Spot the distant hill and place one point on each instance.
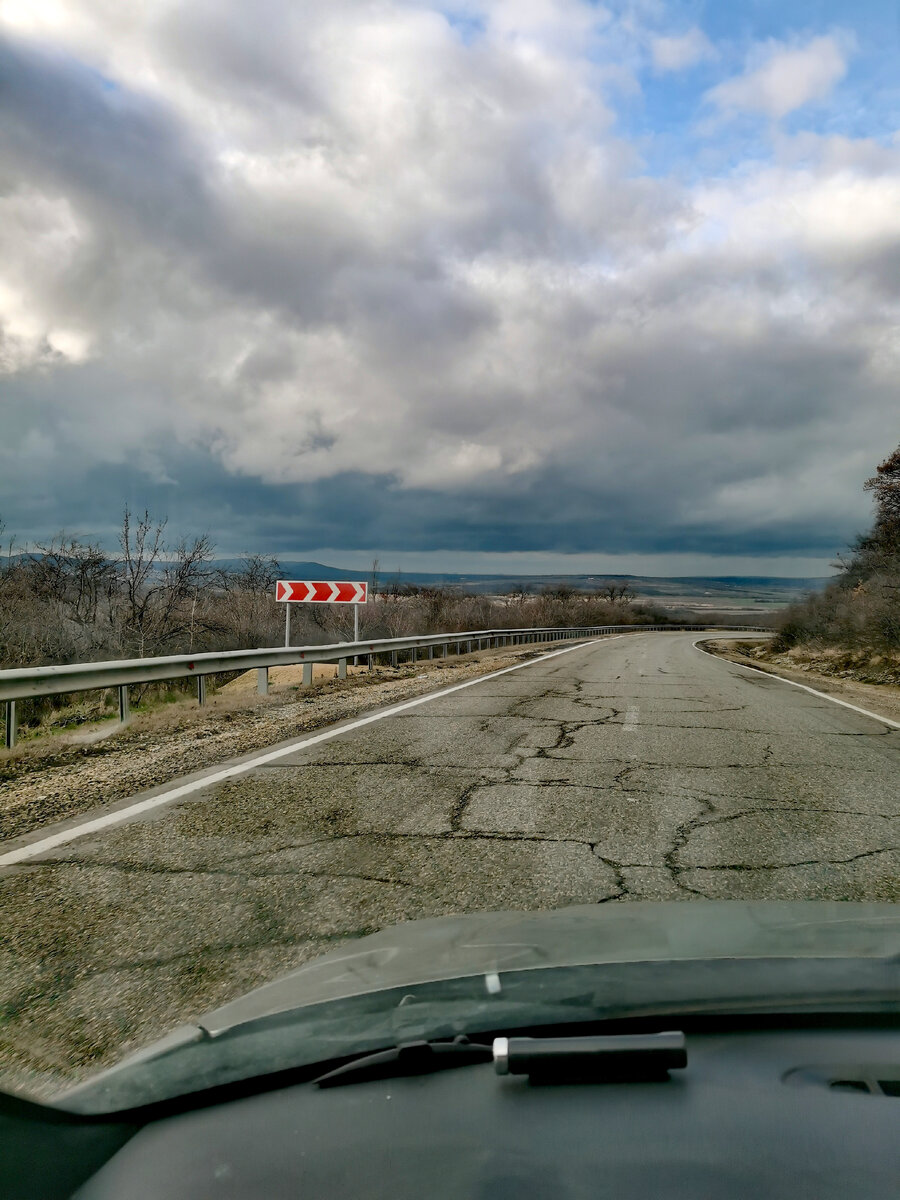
(720, 593)
(706, 591)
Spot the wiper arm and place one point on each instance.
(617, 1057)
(410, 1058)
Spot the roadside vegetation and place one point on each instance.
(68, 600)
(852, 628)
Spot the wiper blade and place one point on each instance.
(410, 1058)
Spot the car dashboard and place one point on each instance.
(757, 1112)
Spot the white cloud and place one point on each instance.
(682, 51)
(787, 78)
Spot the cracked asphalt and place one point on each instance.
(635, 768)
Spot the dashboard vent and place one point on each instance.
(871, 1079)
(875, 1087)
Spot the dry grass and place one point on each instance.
(280, 677)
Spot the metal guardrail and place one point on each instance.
(31, 682)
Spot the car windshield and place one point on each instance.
(449, 472)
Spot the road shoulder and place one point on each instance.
(880, 698)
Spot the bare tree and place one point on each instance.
(616, 593)
(162, 587)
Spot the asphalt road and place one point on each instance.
(629, 768)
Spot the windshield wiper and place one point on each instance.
(409, 1058)
(617, 1057)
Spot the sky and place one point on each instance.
(482, 285)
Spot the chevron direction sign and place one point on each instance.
(320, 591)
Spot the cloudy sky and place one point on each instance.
(538, 284)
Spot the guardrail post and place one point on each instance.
(395, 658)
(201, 689)
(413, 657)
(445, 650)
(262, 680)
(342, 668)
(431, 651)
(124, 706)
(307, 674)
(370, 661)
(10, 724)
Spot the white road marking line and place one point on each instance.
(631, 720)
(94, 825)
(824, 695)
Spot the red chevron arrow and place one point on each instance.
(320, 591)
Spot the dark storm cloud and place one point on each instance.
(357, 512)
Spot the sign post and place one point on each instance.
(320, 591)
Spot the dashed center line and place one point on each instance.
(631, 720)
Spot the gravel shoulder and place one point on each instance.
(883, 699)
(43, 784)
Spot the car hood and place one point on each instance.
(493, 942)
(402, 982)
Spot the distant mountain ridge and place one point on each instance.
(721, 586)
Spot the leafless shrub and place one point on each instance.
(66, 600)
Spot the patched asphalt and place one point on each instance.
(635, 768)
